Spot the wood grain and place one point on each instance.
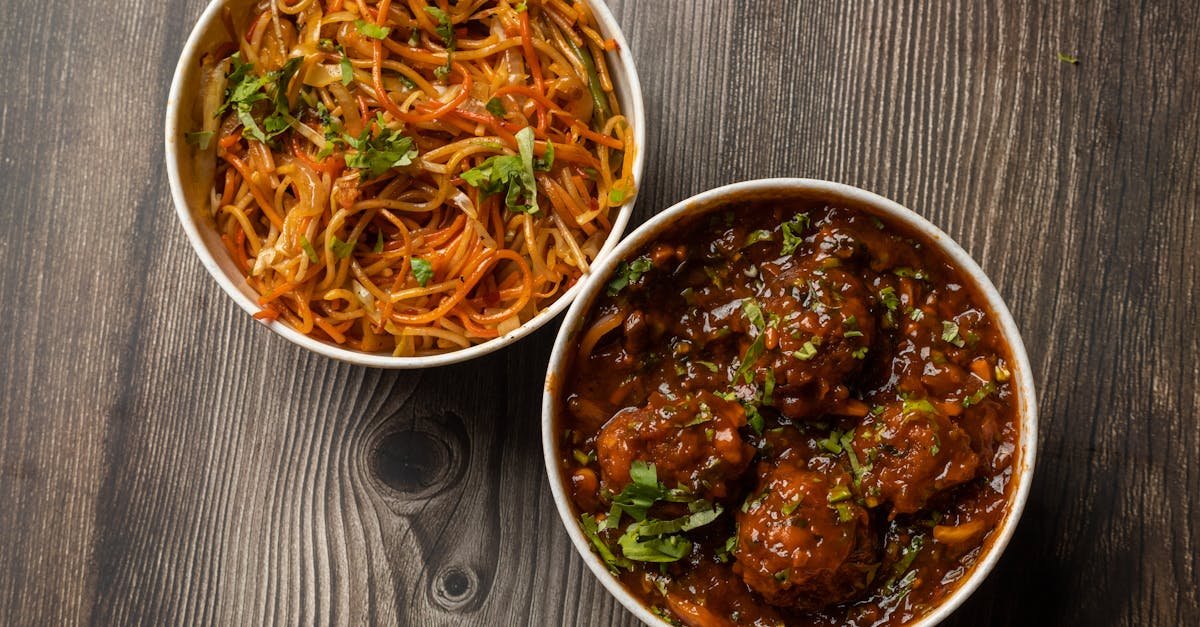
(164, 460)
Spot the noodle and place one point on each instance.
(407, 176)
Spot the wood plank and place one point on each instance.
(165, 460)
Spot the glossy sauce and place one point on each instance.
(828, 386)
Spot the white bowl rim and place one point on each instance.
(637, 119)
(785, 187)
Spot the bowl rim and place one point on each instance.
(774, 187)
(636, 114)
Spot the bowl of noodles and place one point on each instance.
(404, 184)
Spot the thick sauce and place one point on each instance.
(789, 413)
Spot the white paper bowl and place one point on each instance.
(565, 345)
(189, 192)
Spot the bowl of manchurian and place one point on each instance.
(789, 402)
(404, 184)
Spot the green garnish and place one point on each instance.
(378, 243)
(808, 350)
(377, 155)
(200, 139)
(445, 30)
(761, 235)
(752, 354)
(1068, 58)
(347, 70)
(707, 364)
(754, 418)
(910, 273)
(374, 31)
(308, 249)
(591, 530)
(641, 493)
(908, 555)
(628, 273)
(832, 443)
(422, 271)
(979, 394)
(512, 174)
(921, 405)
(247, 89)
(754, 314)
(495, 107)
(839, 493)
(950, 333)
(616, 196)
(859, 353)
(600, 109)
(844, 513)
(887, 296)
(341, 249)
(793, 231)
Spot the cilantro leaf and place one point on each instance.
(950, 333)
(445, 30)
(247, 89)
(377, 155)
(628, 273)
(422, 270)
(511, 174)
(374, 31)
(592, 531)
(793, 232)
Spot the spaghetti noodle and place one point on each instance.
(407, 176)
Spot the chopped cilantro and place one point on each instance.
(445, 30)
(979, 394)
(247, 89)
(376, 155)
(628, 272)
(591, 530)
(950, 333)
(761, 235)
(793, 232)
(422, 271)
(512, 174)
(374, 31)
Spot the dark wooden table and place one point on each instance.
(165, 460)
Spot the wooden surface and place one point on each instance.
(165, 460)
